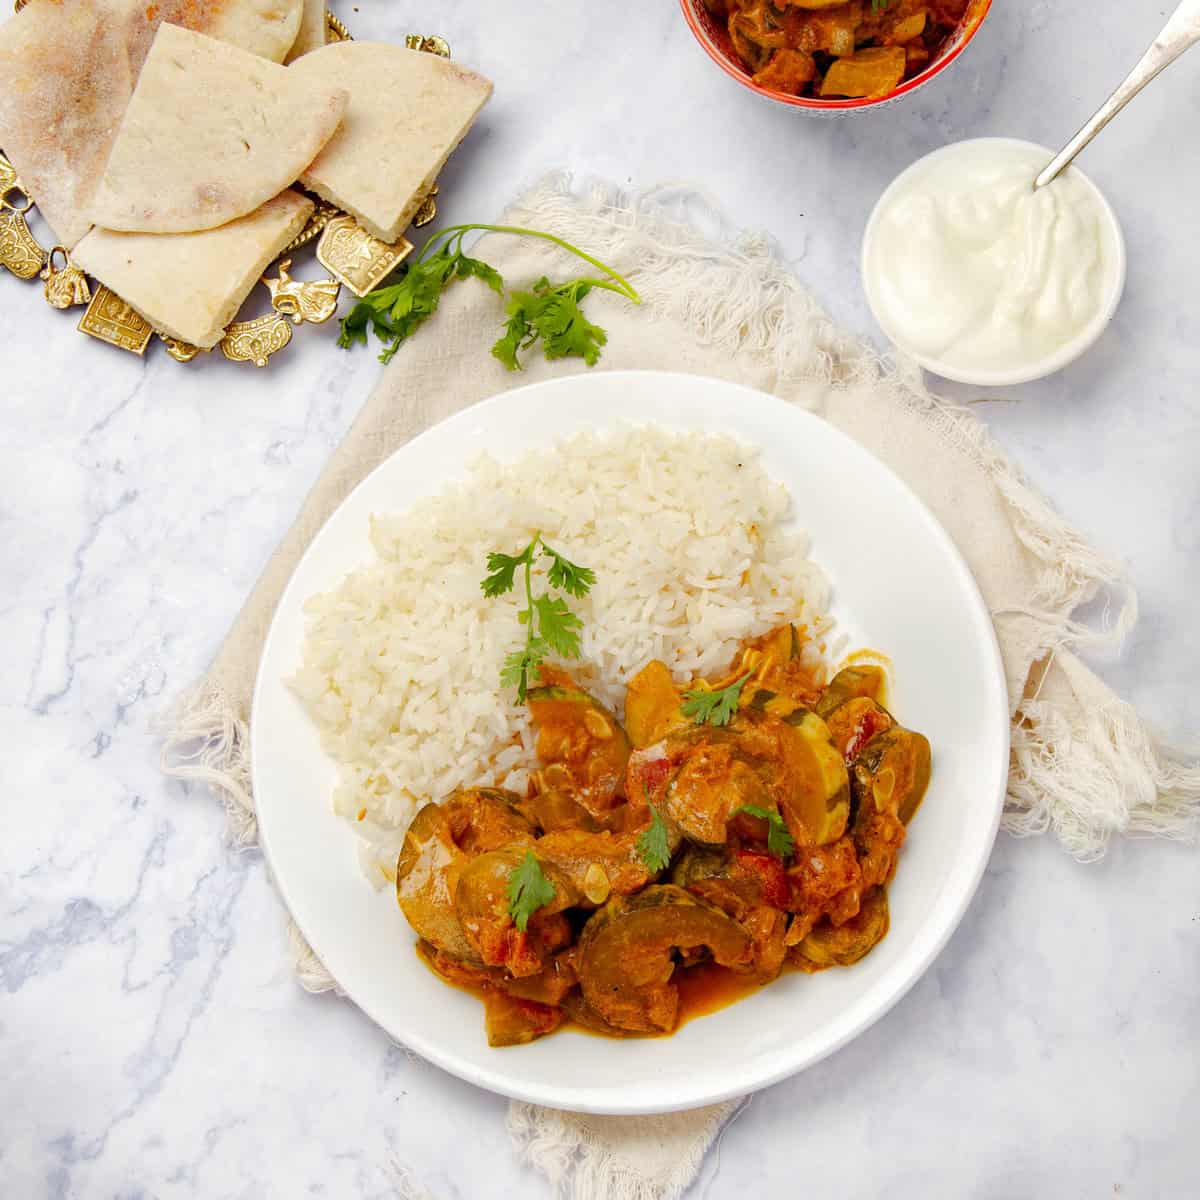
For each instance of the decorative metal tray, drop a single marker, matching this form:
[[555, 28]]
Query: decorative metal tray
[[351, 256]]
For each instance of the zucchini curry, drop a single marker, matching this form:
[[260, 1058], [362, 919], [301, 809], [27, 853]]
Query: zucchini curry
[[831, 49], [727, 831]]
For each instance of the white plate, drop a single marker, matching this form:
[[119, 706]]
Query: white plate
[[900, 587]]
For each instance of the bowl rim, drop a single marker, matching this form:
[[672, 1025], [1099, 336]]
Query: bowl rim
[[1027, 372], [808, 103]]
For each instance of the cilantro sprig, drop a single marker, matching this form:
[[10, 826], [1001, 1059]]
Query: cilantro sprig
[[550, 626], [396, 311], [549, 312], [714, 708], [528, 890], [653, 846], [552, 313], [779, 841]]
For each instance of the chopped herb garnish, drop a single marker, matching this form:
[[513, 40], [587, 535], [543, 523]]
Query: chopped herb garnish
[[528, 890], [714, 708], [550, 626], [653, 845], [779, 841], [549, 313]]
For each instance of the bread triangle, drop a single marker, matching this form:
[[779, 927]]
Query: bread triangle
[[407, 112], [210, 134], [191, 285]]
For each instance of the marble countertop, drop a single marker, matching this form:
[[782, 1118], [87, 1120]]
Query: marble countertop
[[152, 1038]]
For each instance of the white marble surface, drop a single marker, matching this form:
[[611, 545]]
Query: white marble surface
[[152, 1040]]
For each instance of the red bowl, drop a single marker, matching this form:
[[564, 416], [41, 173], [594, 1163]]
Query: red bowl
[[714, 38]]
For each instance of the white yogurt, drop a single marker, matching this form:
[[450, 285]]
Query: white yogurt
[[982, 279]]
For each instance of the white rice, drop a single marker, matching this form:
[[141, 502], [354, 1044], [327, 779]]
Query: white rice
[[693, 551]]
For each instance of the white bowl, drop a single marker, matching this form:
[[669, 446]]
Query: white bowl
[[900, 586], [1024, 372]]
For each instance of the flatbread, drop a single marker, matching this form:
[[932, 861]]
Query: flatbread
[[191, 285], [210, 134], [267, 28], [408, 110], [313, 30], [68, 69], [55, 124]]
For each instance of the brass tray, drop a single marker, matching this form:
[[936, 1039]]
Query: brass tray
[[351, 256]]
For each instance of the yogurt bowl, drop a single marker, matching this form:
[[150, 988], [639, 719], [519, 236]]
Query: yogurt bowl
[[984, 281]]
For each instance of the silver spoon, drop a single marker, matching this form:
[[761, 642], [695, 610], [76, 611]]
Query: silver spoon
[[1180, 33]]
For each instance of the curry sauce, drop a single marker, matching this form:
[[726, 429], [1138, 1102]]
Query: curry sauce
[[708, 988]]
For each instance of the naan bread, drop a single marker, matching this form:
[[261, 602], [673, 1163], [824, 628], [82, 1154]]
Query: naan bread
[[56, 124], [312, 30], [68, 69], [210, 134], [191, 285], [268, 28], [408, 110]]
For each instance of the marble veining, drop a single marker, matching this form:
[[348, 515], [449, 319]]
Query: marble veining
[[152, 1039]]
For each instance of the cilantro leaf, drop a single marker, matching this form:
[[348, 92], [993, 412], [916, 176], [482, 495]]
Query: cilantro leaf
[[563, 328], [714, 708], [420, 291], [550, 313], [389, 351], [564, 574], [476, 268], [520, 664], [653, 845], [370, 312], [502, 569], [528, 890], [558, 625], [517, 335], [354, 325], [513, 672], [779, 841]]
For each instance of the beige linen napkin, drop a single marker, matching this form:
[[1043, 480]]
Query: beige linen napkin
[[717, 303]]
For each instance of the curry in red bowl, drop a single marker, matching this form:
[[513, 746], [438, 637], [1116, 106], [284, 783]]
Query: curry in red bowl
[[834, 54]]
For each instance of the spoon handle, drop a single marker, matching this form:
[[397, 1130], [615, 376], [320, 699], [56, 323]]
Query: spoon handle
[[1180, 33]]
